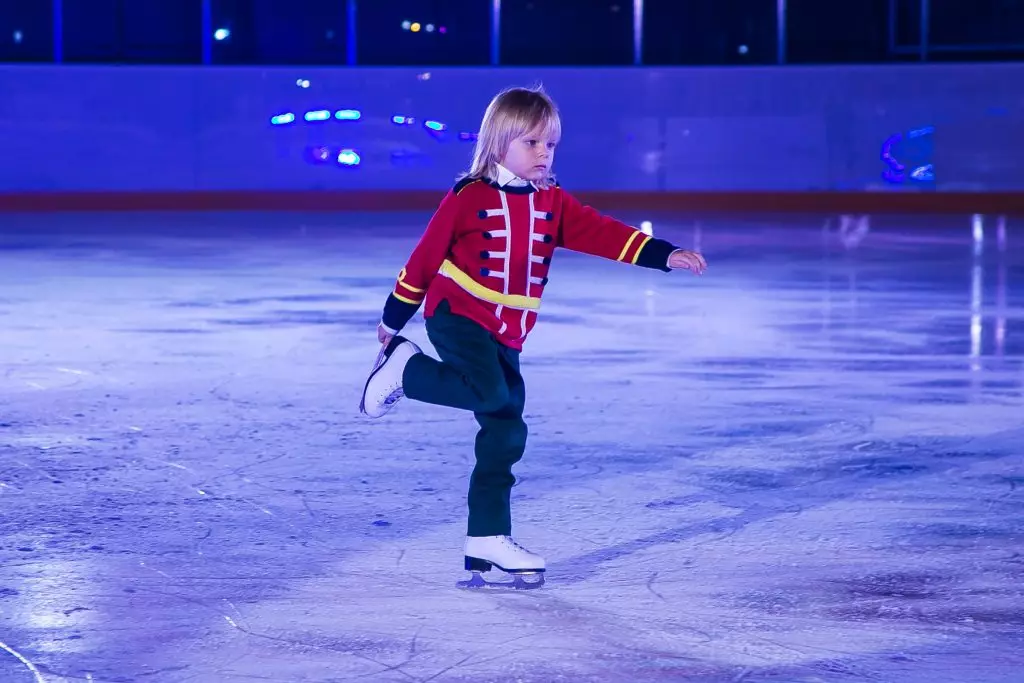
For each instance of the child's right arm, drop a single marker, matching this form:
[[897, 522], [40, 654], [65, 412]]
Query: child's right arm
[[414, 279]]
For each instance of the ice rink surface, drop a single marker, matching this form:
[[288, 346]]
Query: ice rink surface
[[806, 465]]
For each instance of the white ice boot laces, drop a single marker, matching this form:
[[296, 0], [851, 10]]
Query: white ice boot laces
[[395, 394]]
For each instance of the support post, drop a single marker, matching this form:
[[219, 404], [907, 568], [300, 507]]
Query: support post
[[58, 31], [207, 24], [780, 22], [925, 24], [351, 34], [495, 32], [638, 32]]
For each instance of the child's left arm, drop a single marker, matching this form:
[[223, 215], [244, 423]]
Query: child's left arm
[[586, 230]]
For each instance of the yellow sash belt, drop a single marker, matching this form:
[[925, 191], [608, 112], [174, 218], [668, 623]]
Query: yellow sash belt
[[450, 270]]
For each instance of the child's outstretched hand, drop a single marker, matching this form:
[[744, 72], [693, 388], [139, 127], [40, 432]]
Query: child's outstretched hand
[[690, 260], [383, 336]]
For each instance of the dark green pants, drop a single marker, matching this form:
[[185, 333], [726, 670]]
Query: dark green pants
[[479, 374]]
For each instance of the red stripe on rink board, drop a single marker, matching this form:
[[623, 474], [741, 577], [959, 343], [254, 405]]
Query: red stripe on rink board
[[427, 200]]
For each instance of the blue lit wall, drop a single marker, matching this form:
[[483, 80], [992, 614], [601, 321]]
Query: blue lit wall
[[902, 128]]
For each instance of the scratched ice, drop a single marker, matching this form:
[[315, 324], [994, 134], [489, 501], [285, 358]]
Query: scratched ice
[[804, 466]]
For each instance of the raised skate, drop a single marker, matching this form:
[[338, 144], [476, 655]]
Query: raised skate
[[384, 385], [485, 552]]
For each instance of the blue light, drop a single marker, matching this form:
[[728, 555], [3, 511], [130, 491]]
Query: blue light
[[221, 34], [348, 157], [918, 157], [320, 115], [923, 173], [348, 115], [435, 125], [403, 120], [320, 154], [282, 119]]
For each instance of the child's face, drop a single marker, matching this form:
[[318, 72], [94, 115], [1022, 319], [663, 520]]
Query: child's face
[[530, 156]]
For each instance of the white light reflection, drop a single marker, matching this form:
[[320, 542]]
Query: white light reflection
[[1001, 287], [978, 232], [977, 278], [976, 305]]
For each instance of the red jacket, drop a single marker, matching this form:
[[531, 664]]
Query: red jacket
[[488, 250]]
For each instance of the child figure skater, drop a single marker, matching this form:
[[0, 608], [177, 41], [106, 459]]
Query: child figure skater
[[481, 266]]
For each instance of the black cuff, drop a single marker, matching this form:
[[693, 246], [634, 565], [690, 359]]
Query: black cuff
[[655, 255], [397, 313]]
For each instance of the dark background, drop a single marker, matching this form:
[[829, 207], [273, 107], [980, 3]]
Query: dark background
[[532, 32]]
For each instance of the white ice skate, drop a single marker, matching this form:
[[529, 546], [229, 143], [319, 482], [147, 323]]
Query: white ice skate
[[484, 552], [384, 385]]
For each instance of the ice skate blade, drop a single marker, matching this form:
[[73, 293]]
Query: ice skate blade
[[518, 582], [475, 564]]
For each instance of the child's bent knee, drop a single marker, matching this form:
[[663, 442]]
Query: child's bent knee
[[517, 436]]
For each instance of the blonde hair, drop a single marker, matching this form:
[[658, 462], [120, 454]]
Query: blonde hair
[[513, 112]]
